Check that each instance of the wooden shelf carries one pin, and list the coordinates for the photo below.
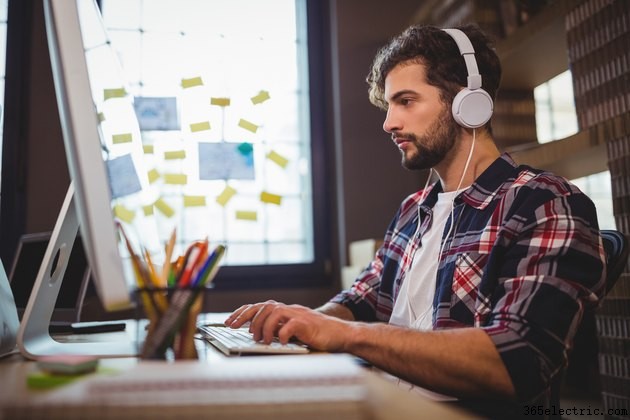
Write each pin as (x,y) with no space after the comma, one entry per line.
(579,155)
(572,157)
(536,51)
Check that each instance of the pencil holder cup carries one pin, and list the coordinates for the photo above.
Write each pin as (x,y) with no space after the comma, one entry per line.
(172,315)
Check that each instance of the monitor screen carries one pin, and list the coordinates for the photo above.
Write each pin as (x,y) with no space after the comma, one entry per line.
(28,258)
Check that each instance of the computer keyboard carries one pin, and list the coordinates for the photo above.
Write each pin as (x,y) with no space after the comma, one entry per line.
(240,341)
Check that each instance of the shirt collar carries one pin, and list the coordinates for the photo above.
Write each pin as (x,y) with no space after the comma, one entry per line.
(483,190)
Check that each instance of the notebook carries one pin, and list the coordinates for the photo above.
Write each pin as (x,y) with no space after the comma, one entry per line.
(310,386)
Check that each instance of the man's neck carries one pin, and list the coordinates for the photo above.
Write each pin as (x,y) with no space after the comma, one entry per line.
(451,170)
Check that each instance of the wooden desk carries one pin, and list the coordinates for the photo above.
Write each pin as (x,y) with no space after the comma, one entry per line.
(383,399)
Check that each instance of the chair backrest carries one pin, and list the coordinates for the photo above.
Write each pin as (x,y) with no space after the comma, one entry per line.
(616,247)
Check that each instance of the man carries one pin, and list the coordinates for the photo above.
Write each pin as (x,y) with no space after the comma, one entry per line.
(482,278)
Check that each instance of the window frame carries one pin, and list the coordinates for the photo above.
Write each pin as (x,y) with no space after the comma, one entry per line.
(319,272)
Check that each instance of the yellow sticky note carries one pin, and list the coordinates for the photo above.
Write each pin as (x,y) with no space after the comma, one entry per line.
(269,198)
(246,215)
(220,101)
(175,179)
(147,148)
(278,159)
(148,210)
(262,96)
(175,154)
(250,126)
(225,196)
(154,175)
(194,200)
(123,213)
(192,82)
(101,117)
(114,93)
(122,138)
(163,207)
(200,126)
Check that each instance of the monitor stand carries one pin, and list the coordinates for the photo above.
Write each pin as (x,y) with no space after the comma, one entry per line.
(34,338)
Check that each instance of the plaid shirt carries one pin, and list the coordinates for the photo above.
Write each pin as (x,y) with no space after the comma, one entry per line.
(523,262)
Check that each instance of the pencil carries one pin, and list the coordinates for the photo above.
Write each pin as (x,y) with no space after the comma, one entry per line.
(166,269)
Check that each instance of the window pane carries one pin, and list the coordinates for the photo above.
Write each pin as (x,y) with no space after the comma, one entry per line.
(555,109)
(599,189)
(236,71)
(4,7)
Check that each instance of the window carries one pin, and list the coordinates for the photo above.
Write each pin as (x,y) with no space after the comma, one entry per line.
(556,119)
(4,6)
(221,89)
(555,109)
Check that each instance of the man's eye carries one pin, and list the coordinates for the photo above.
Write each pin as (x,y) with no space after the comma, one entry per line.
(405,101)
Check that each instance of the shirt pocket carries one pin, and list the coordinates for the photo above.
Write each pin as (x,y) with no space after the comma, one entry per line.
(467,277)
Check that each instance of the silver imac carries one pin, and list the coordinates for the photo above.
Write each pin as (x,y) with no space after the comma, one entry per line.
(104,153)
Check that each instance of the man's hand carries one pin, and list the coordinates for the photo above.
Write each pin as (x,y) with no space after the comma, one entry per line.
(273,319)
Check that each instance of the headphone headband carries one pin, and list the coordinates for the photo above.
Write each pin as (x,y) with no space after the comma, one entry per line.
(472,106)
(468,52)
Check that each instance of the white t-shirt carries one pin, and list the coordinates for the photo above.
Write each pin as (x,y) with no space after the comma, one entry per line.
(414,304)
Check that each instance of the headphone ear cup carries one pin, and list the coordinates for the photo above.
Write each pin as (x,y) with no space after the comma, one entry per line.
(472,108)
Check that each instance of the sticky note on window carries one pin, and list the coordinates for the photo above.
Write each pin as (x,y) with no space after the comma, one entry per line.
(175,154)
(220,101)
(124,213)
(192,82)
(114,93)
(164,208)
(246,215)
(154,175)
(147,149)
(200,126)
(225,196)
(224,161)
(278,159)
(123,178)
(122,138)
(249,126)
(176,179)
(262,96)
(147,210)
(194,200)
(269,198)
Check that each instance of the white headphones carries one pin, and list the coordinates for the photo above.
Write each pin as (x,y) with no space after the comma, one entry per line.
(472,106)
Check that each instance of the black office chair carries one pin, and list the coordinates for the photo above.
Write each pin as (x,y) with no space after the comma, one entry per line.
(617,250)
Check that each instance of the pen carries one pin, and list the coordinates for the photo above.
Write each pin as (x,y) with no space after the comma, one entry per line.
(209,268)
(194,259)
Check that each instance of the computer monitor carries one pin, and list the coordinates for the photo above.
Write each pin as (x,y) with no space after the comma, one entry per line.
(105,161)
(23,272)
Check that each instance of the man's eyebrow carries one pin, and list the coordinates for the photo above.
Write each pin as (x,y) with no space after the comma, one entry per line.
(400,93)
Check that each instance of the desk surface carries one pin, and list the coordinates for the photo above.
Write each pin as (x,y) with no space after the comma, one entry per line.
(382,399)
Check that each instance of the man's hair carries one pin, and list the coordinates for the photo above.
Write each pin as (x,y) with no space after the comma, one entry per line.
(438,52)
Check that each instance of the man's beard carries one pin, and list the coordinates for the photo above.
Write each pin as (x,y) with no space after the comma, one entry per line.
(432,147)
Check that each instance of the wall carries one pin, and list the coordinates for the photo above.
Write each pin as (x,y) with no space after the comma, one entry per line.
(371,180)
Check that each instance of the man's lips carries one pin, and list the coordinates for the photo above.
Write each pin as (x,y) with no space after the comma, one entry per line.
(401,141)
